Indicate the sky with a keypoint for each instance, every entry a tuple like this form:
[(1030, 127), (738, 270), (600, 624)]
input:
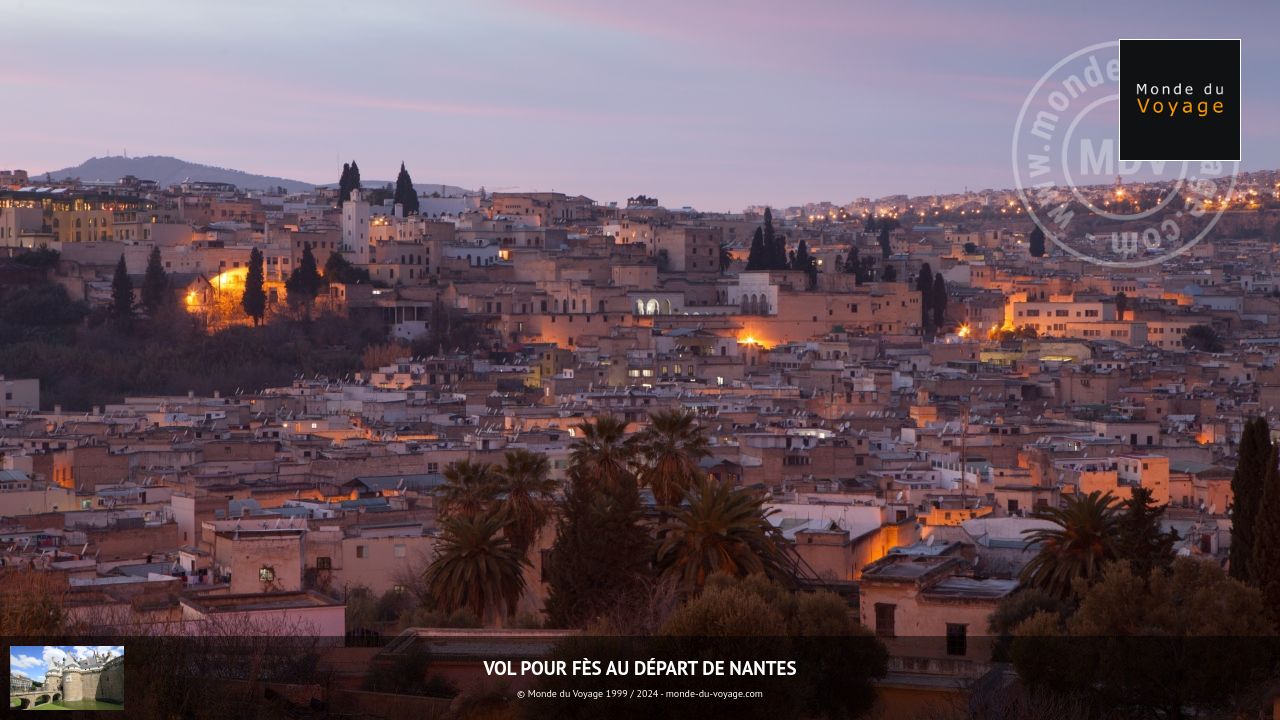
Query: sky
[(34, 661), (707, 103)]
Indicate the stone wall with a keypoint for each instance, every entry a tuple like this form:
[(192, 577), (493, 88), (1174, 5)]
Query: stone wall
[(106, 683), (111, 681)]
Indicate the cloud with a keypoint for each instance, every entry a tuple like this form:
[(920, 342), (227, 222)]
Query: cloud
[(52, 653), (25, 662)]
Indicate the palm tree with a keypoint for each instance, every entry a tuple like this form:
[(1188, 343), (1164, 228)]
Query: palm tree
[(1083, 541), (469, 488), (602, 454), (526, 495), (671, 447), (720, 529), (476, 566)]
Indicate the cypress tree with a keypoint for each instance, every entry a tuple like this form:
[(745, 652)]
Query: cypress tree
[(924, 285), (344, 183), (155, 284), (1246, 488), (885, 249), (939, 300), (601, 555), (405, 195), (1036, 242), (781, 258), (775, 248), (802, 258), (355, 176), (756, 259), (121, 307), (254, 300), (889, 274), (304, 282), (1265, 564), (1140, 541)]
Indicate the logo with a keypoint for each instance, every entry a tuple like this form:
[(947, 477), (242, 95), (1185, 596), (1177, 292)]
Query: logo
[(1085, 199)]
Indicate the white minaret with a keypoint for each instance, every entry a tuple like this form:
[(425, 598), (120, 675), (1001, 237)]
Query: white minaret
[(355, 229)]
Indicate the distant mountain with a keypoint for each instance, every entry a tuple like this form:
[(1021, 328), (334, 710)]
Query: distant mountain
[(168, 171)]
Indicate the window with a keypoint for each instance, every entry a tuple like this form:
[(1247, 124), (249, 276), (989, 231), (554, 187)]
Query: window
[(884, 619), (267, 574), (957, 639), (324, 563), (360, 551), (399, 551)]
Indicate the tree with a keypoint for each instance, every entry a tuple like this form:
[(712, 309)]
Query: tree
[(924, 285), (756, 258), (526, 495), (1035, 242), (1083, 541), (155, 284), (970, 249), (344, 183), (885, 248), (889, 274), (1266, 541), (469, 488), (1122, 302), (254, 300), (602, 555), (1190, 637), (602, 454), (753, 617), (476, 567), (775, 246), (1140, 540), (1246, 489), (349, 181), (938, 299), (121, 307), (804, 262), (406, 196), (337, 269), (304, 282), (1203, 338), (721, 529), (671, 448)]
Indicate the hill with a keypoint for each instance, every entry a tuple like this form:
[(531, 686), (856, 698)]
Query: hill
[(168, 171)]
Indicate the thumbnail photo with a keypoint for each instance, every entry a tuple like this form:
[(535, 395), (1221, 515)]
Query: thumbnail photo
[(66, 677)]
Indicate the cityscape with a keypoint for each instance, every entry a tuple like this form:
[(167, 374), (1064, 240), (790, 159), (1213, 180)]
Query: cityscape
[(365, 446)]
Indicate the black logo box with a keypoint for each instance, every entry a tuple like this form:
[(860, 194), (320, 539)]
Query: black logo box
[(1184, 65)]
